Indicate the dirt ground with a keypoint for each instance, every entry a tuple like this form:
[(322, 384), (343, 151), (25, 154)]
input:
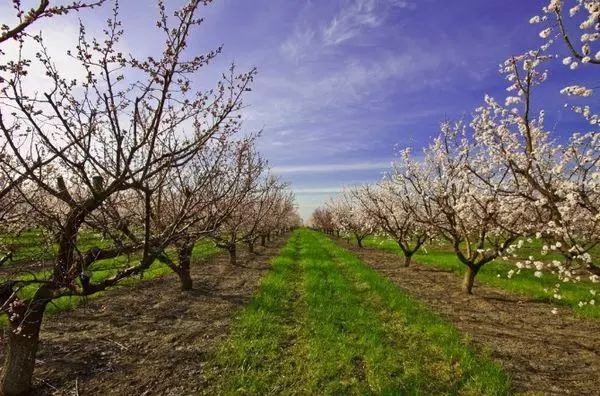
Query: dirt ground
[(151, 339), (544, 353)]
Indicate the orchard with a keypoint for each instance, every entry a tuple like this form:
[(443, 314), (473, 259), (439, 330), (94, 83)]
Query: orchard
[(147, 244)]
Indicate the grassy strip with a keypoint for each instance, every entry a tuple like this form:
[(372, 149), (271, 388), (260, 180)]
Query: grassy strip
[(345, 337), (495, 274), (106, 268), (261, 357), (406, 348), (353, 332)]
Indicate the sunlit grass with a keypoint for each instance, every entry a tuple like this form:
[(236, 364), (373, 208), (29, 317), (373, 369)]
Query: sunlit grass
[(104, 269), (322, 322), (35, 245)]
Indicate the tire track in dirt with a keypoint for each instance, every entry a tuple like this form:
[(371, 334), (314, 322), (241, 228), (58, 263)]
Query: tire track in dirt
[(544, 353)]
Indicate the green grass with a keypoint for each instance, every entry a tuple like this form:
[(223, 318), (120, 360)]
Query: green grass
[(322, 322), (495, 274), (103, 269), (36, 245), (251, 359)]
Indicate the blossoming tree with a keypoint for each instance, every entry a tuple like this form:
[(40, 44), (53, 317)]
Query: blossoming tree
[(350, 217), (463, 208), (91, 151), (390, 204)]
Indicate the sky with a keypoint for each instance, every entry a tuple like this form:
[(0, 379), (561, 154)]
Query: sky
[(342, 84)]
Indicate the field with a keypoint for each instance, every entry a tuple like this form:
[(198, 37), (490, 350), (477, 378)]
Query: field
[(38, 258), (322, 322), (495, 274), (313, 315), (147, 336)]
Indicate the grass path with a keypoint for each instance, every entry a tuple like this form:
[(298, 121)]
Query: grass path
[(544, 353), (324, 323), (260, 356)]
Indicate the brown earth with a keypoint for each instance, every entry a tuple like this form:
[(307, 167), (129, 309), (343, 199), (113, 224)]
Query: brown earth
[(152, 339), (148, 339), (544, 353)]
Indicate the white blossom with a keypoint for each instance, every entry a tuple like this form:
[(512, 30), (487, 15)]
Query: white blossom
[(576, 90), (545, 33), (535, 19)]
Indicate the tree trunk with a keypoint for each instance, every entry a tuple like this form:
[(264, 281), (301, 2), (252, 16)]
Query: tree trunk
[(359, 241), (23, 339), (406, 252), (263, 240), (469, 279), (251, 247), (185, 258), (232, 255)]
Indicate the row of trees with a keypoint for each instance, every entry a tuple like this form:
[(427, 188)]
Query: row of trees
[(486, 184), (130, 150)]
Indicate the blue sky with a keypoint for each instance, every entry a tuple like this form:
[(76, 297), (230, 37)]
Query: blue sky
[(341, 83)]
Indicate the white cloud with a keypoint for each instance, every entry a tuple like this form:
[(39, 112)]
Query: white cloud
[(57, 37), (328, 168), (357, 15), (352, 19), (298, 45), (323, 190)]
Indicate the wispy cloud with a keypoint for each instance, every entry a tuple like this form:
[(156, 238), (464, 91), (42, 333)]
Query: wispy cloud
[(298, 44), (324, 190), (328, 168), (357, 15), (352, 19)]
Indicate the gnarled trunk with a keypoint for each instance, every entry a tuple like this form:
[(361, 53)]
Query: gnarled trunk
[(23, 339), (359, 241), (407, 253), (185, 258), (469, 279), (232, 255)]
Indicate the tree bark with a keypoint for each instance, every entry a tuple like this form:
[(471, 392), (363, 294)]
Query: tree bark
[(232, 255), (185, 258), (23, 339), (469, 279), (359, 241), (407, 253)]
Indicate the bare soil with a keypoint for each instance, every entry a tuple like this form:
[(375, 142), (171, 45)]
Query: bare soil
[(151, 338), (544, 353)]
